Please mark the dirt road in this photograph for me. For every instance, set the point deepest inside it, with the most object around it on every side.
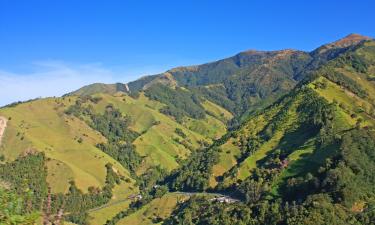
(3, 125)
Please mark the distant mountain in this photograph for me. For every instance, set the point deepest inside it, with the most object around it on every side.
(278, 137)
(249, 80)
(101, 88)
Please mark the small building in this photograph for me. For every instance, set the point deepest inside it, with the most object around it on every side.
(135, 197)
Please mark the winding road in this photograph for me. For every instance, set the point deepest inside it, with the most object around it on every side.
(189, 194)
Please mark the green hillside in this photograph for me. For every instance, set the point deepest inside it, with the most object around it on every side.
(280, 137)
(42, 125)
(70, 140)
(306, 159)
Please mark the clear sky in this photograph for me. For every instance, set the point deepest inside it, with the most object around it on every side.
(51, 47)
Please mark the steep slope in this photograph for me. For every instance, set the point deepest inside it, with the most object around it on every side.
(344, 82)
(307, 159)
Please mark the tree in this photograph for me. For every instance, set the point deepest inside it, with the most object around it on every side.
(11, 210)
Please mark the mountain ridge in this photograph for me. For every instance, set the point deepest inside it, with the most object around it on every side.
(280, 131)
(351, 39)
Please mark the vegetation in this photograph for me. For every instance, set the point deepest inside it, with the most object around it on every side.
(194, 173)
(114, 127)
(27, 177)
(179, 102)
(11, 209)
(297, 152)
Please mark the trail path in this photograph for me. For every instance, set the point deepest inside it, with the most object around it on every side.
(3, 125)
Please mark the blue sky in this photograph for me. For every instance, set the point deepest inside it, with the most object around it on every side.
(48, 48)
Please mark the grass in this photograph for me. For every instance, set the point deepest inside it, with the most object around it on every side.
(250, 163)
(58, 174)
(218, 111)
(157, 208)
(118, 203)
(208, 127)
(298, 163)
(227, 159)
(229, 150)
(351, 102)
(41, 125)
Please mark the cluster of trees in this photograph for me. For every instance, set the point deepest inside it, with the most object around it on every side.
(340, 192)
(124, 153)
(115, 127)
(180, 132)
(356, 61)
(344, 81)
(12, 209)
(151, 186)
(27, 178)
(194, 173)
(179, 102)
(76, 203)
(317, 209)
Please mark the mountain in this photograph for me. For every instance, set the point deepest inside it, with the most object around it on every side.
(283, 137)
(101, 88)
(306, 159)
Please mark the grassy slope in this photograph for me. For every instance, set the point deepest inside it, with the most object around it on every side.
(231, 149)
(306, 157)
(158, 208)
(303, 156)
(157, 130)
(350, 101)
(41, 125)
(251, 162)
(218, 111)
